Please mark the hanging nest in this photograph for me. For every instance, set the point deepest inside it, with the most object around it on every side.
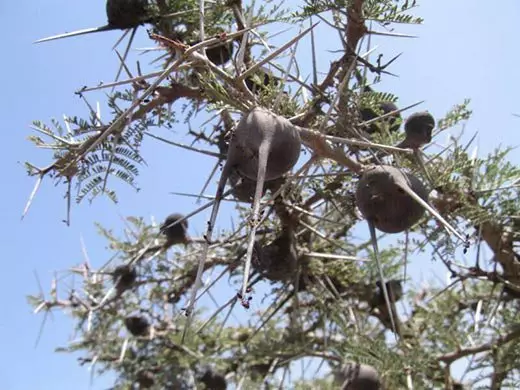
(418, 129)
(393, 121)
(213, 380)
(355, 376)
(137, 325)
(176, 234)
(277, 261)
(382, 200)
(125, 14)
(252, 130)
(124, 278)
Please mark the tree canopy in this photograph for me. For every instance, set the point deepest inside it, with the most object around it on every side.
(355, 186)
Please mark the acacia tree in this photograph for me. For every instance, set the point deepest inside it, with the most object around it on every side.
(327, 296)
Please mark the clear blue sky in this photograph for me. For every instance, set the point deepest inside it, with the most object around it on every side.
(465, 49)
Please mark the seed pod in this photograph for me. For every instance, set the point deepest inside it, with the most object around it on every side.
(355, 376)
(395, 292)
(418, 128)
(176, 234)
(394, 120)
(382, 198)
(125, 14)
(137, 325)
(124, 278)
(213, 381)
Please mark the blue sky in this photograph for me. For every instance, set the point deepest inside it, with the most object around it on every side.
(466, 49)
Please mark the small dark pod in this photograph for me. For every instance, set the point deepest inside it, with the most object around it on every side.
(124, 278)
(395, 292)
(125, 14)
(213, 381)
(137, 325)
(176, 234)
(355, 376)
(145, 379)
(418, 128)
(382, 200)
(278, 260)
(368, 113)
(258, 82)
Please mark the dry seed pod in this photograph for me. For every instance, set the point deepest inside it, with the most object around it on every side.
(395, 292)
(382, 200)
(124, 278)
(213, 381)
(176, 234)
(137, 325)
(394, 120)
(264, 146)
(355, 376)
(278, 260)
(418, 128)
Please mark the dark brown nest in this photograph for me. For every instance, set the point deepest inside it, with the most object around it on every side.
(137, 325)
(418, 128)
(125, 14)
(124, 278)
(382, 200)
(213, 381)
(176, 234)
(393, 121)
(277, 261)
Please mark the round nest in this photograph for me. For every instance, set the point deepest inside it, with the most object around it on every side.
(213, 381)
(418, 128)
(382, 200)
(175, 234)
(124, 277)
(249, 134)
(125, 14)
(137, 325)
(278, 260)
